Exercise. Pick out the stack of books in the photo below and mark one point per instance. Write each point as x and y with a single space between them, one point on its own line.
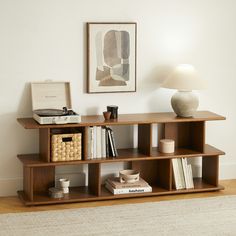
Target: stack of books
116 187
101 142
183 176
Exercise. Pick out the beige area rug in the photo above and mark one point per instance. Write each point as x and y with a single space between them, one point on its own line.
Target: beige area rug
202 216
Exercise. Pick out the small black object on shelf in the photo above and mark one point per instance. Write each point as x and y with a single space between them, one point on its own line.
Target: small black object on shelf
114 111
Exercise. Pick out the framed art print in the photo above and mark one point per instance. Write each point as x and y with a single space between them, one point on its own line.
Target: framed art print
111 57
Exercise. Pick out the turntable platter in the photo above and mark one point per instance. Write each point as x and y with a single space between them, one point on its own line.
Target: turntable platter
50 112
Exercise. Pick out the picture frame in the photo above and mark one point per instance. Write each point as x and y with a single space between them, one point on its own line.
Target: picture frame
111 57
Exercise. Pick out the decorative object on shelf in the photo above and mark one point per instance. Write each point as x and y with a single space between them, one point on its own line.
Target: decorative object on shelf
64 183
51 102
111 57
167 145
107 115
55 193
185 79
114 111
129 176
66 147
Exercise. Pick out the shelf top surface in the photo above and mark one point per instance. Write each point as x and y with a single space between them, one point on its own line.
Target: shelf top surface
126 119
131 154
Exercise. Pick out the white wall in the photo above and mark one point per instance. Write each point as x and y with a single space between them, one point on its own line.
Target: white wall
46 40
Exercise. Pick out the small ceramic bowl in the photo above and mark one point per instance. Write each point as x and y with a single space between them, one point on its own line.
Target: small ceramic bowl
65 183
129 176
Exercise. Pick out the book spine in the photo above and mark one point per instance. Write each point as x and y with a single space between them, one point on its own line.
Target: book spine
185 169
190 175
107 143
88 144
103 142
181 172
110 142
128 190
91 145
176 174
99 142
113 143
94 142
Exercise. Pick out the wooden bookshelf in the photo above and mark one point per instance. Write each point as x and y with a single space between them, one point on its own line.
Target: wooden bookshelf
155 167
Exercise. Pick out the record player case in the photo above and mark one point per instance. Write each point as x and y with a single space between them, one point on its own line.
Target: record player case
52 95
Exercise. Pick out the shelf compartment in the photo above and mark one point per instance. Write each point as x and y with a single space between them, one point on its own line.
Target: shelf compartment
155 172
77 194
209 171
82 194
186 134
131 154
39 178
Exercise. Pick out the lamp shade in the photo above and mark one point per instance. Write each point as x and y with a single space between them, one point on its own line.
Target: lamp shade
184 78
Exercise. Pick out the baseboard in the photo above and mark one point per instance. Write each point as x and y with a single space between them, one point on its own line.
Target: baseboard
9 186
227 171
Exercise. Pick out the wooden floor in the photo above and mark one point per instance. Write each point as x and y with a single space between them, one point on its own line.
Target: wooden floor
13 204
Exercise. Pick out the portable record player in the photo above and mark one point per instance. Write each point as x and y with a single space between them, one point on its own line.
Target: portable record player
51 102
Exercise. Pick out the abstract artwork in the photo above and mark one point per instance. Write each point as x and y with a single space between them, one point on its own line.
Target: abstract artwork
111 57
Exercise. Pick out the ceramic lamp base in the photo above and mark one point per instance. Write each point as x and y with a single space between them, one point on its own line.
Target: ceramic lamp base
184 103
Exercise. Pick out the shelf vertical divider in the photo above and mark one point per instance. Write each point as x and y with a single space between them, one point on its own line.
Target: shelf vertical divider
210 170
164 173
85 143
94 178
44 144
28 182
145 138
198 135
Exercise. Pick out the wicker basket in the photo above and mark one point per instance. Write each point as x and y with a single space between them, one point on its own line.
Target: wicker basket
66 147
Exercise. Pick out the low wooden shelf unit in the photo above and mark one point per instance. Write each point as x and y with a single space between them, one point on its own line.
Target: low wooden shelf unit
155 167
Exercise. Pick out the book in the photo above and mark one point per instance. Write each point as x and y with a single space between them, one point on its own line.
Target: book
128 190
186 174
103 142
107 143
113 142
94 142
190 175
112 153
116 184
181 173
99 141
177 180
90 143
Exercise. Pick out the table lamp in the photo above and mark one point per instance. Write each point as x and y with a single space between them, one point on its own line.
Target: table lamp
184 78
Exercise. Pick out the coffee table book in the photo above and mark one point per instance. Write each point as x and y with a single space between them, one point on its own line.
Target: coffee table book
114 186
